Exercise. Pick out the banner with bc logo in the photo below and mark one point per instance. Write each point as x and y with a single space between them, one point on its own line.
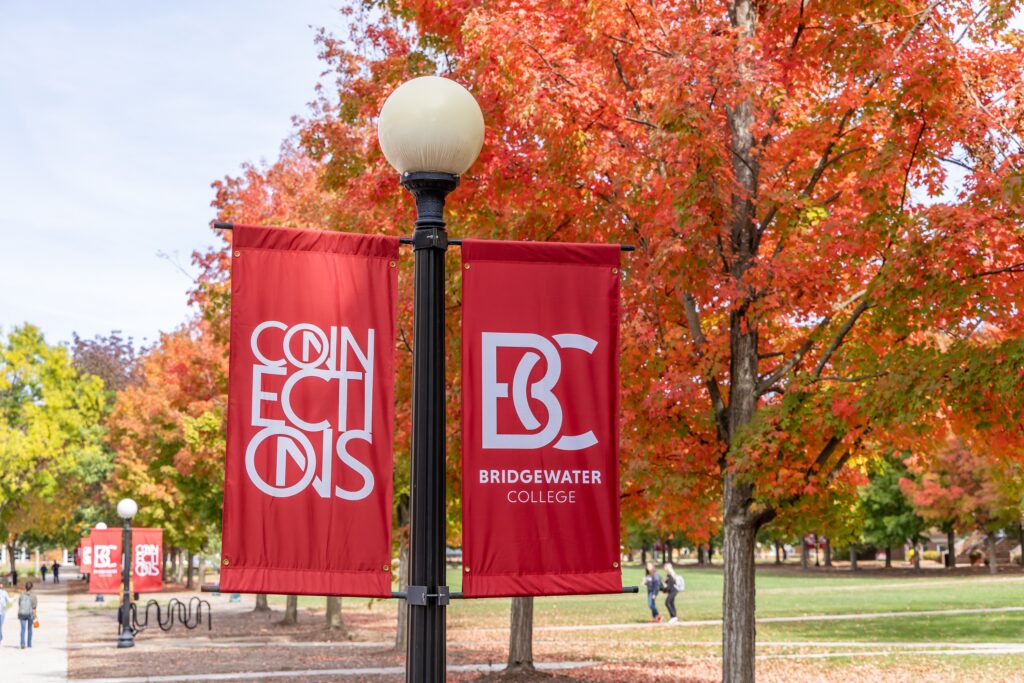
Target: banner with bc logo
540 404
106 561
308 473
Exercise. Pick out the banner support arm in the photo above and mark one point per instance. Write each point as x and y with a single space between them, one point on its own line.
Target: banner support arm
224 225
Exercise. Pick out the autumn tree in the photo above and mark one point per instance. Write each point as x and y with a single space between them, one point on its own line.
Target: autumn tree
167 431
112 358
814 189
50 438
960 487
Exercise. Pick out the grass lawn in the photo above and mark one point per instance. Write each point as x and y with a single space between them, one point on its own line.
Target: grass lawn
615 630
779 594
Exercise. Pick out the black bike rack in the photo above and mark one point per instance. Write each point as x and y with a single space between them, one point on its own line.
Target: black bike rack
177 611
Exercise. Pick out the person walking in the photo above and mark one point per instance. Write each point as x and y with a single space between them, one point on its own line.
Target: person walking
56 572
42 570
673 585
653 583
27 605
5 600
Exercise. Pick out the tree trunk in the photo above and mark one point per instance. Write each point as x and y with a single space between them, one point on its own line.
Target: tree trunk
14 568
993 564
643 554
291 611
202 571
888 558
333 616
188 571
1020 538
166 559
805 555
261 603
918 549
853 558
700 554
520 640
828 553
778 553
668 551
951 554
738 597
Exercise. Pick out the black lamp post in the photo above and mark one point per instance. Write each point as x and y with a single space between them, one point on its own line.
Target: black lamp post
430 130
126 509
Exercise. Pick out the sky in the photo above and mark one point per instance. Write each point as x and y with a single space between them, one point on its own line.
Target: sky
115 118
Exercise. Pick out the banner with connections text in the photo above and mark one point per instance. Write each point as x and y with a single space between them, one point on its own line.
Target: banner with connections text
147 560
308 485
540 387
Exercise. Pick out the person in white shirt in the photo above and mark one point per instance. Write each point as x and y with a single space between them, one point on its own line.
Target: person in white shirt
5 600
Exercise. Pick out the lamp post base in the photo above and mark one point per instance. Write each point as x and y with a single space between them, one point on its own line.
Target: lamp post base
126 639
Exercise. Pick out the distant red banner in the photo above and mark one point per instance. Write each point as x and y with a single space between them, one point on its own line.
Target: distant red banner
85 555
106 561
540 482
147 560
308 472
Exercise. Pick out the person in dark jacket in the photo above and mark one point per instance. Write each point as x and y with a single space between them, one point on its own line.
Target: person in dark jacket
56 572
653 583
673 584
42 570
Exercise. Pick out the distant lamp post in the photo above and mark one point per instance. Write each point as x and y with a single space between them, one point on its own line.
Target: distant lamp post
431 130
126 510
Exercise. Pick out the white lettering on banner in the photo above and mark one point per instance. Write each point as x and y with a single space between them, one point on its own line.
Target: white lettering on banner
541 390
545 497
147 560
87 554
308 354
103 557
537 476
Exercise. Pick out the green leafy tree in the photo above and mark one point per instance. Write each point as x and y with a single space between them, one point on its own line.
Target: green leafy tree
51 435
889 517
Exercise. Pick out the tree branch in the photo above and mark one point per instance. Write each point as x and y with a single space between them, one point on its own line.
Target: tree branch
768 383
1015 268
837 342
699 341
910 165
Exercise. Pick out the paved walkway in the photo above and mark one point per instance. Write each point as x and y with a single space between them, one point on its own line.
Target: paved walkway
47 661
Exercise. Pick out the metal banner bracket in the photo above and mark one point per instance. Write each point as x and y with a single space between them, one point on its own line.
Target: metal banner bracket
418 595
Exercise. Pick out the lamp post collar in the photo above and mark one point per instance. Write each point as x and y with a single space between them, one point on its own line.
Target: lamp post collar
430 189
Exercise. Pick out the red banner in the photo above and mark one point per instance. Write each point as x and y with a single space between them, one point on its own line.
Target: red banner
307 492
147 560
540 385
106 561
85 555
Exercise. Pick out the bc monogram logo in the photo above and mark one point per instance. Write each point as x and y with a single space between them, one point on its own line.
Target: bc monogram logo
102 557
541 390
322 357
